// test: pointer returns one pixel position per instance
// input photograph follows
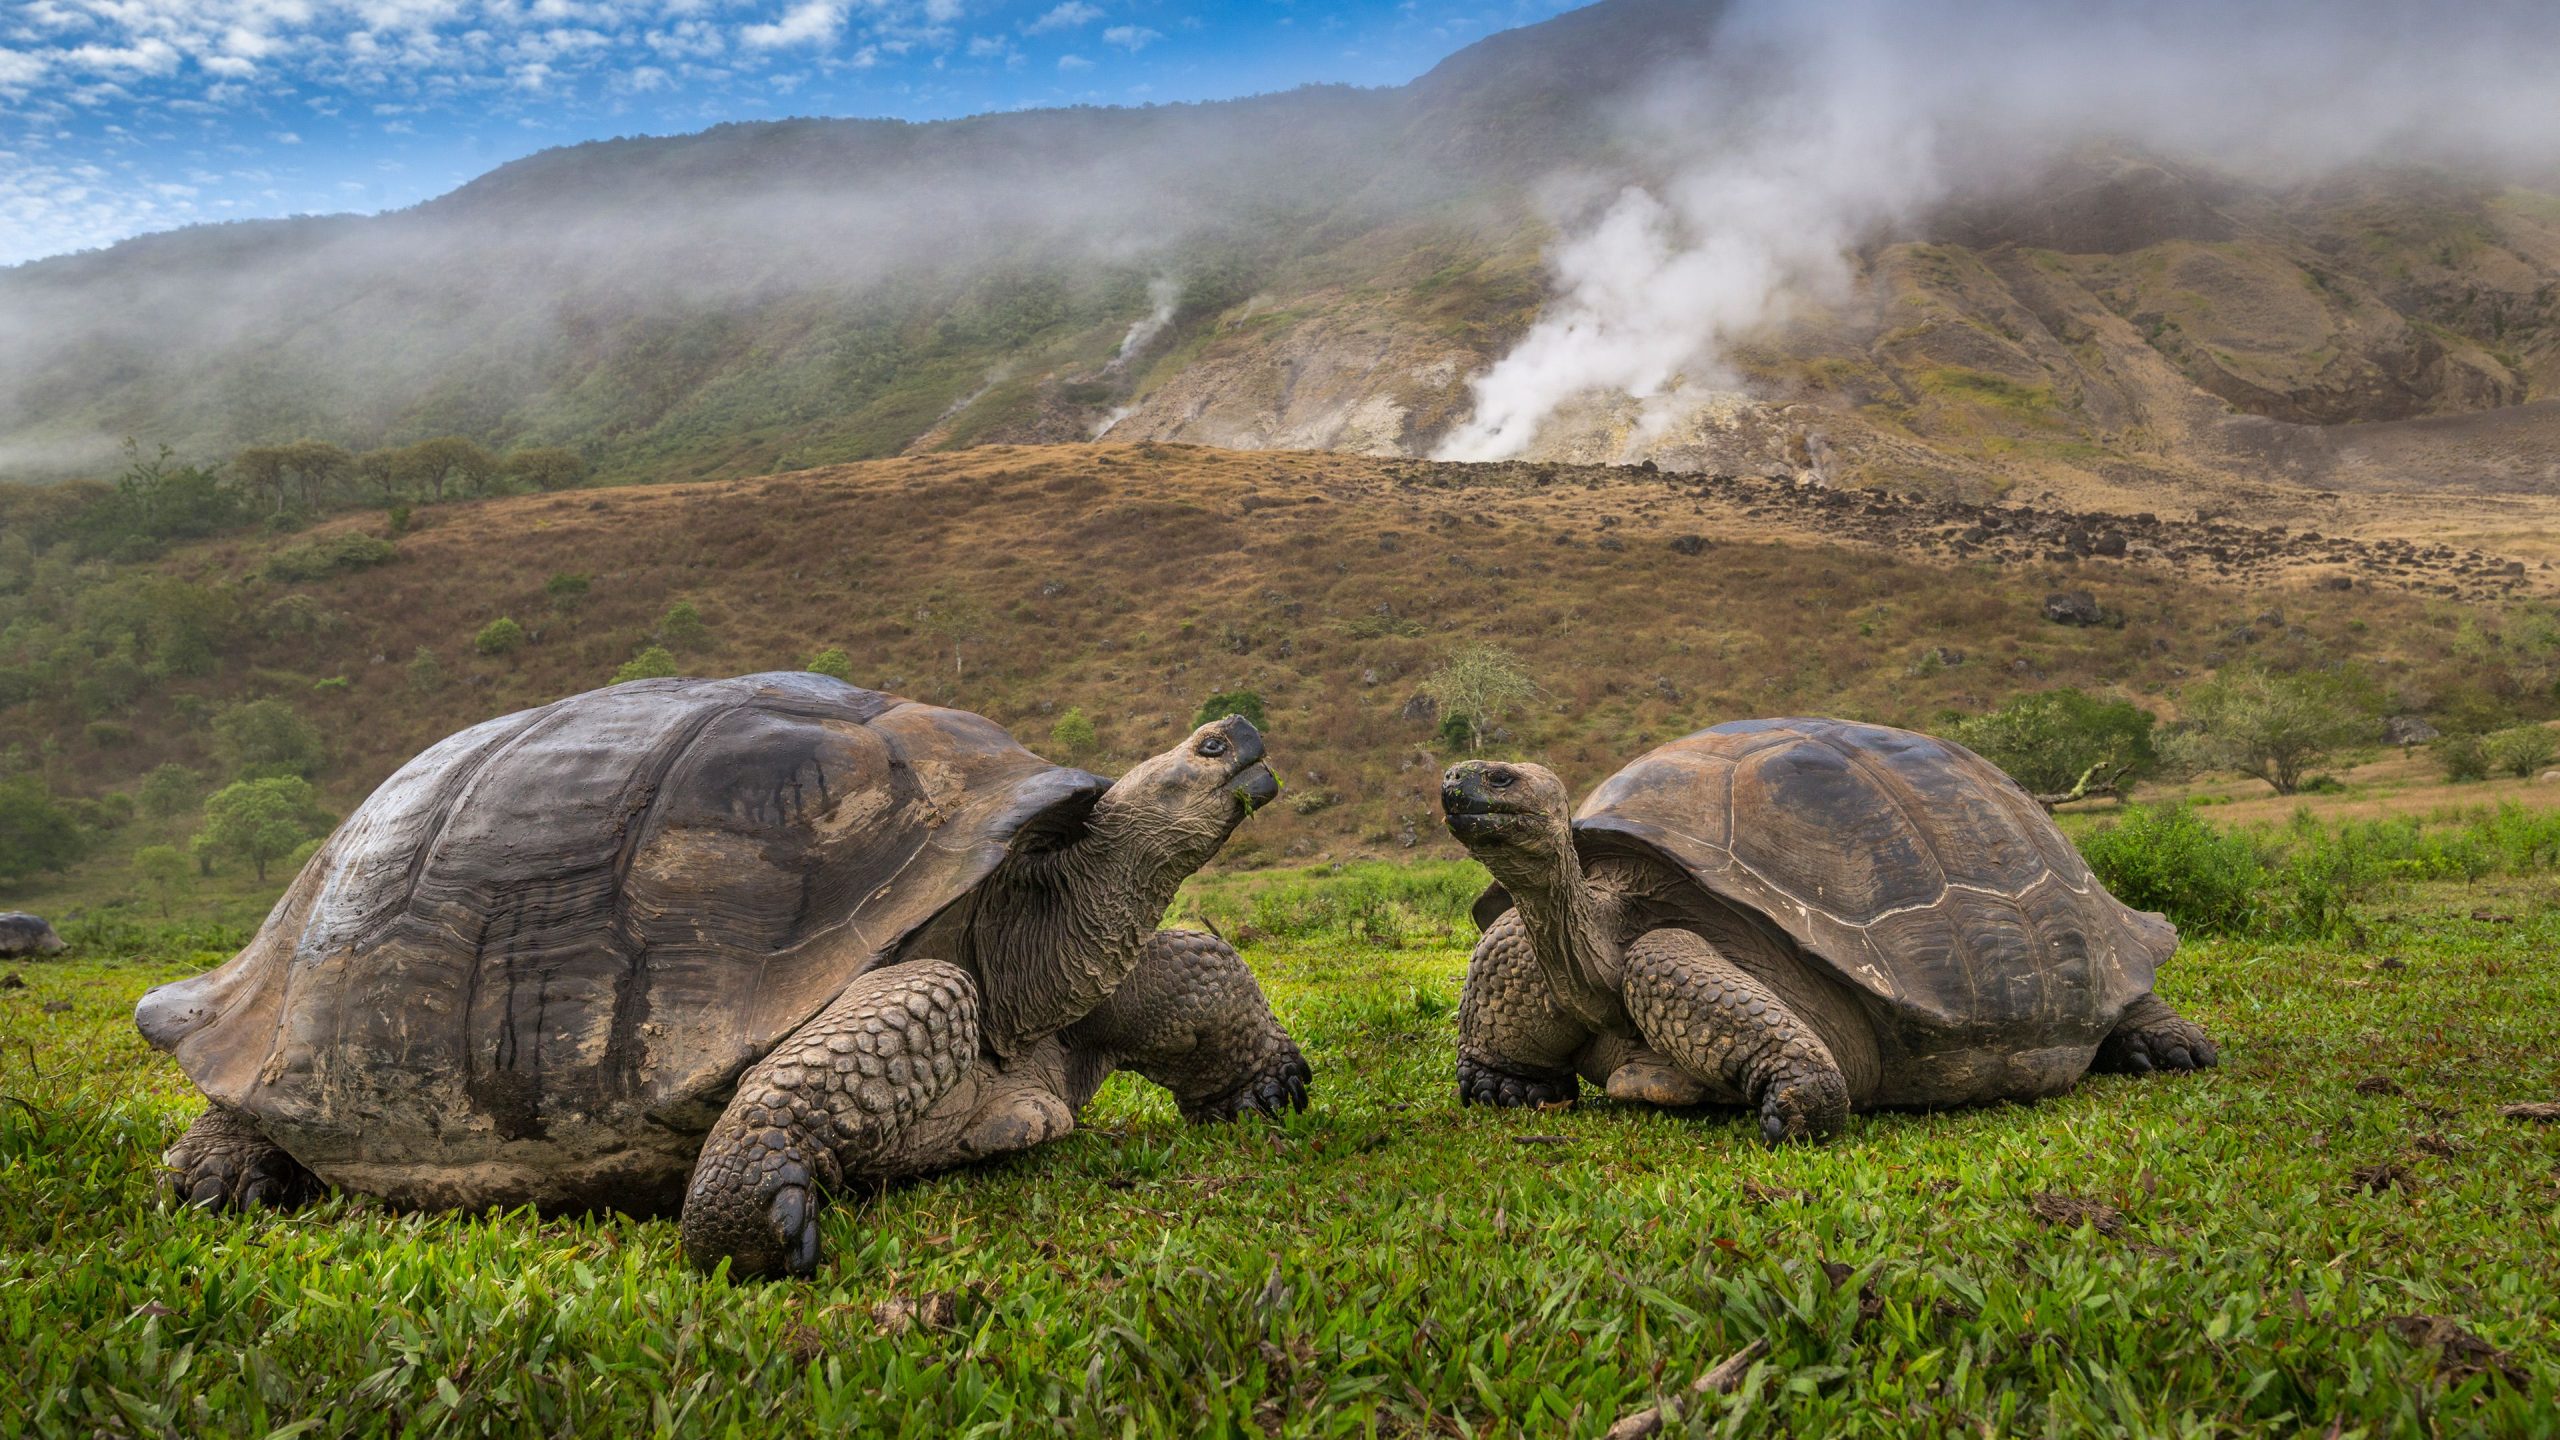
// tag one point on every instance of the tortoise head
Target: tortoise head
(1198, 792)
(1503, 807)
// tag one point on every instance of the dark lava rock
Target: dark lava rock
(2073, 607)
(2407, 730)
(1689, 544)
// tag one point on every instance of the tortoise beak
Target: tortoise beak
(1468, 804)
(1257, 787)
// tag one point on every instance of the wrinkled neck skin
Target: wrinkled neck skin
(1572, 925)
(1058, 931)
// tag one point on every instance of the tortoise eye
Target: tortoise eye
(1214, 745)
(1502, 779)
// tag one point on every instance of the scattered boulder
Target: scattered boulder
(1689, 544)
(25, 934)
(2407, 730)
(1421, 710)
(2073, 607)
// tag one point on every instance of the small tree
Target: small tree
(162, 869)
(1483, 683)
(956, 618)
(36, 831)
(426, 671)
(502, 636)
(2063, 745)
(2462, 756)
(168, 790)
(2275, 727)
(653, 663)
(833, 663)
(265, 738)
(567, 588)
(2521, 752)
(1231, 702)
(260, 821)
(1073, 735)
(547, 467)
(681, 628)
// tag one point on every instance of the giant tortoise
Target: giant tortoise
(1801, 916)
(723, 946)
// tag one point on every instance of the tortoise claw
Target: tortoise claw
(1480, 1084)
(795, 1224)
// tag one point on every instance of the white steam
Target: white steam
(1164, 294)
(1819, 125)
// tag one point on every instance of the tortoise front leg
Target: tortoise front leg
(225, 1162)
(834, 1097)
(1516, 1041)
(1191, 1018)
(1714, 1020)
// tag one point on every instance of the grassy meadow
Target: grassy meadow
(2335, 1233)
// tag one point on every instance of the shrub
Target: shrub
(265, 738)
(2049, 742)
(323, 558)
(1231, 702)
(831, 662)
(567, 588)
(2522, 752)
(2165, 859)
(426, 671)
(547, 467)
(682, 627)
(108, 735)
(37, 832)
(335, 684)
(2463, 757)
(169, 790)
(501, 636)
(1074, 733)
(1457, 732)
(398, 518)
(653, 663)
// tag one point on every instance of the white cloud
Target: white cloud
(1132, 38)
(813, 22)
(1065, 17)
(1073, 63)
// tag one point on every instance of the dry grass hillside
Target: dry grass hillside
(1135, 581)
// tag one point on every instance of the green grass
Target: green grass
(1390, 1264)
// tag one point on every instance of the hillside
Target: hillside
(1133, 582)
(1324, 269)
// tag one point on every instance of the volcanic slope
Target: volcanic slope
(1135, 582)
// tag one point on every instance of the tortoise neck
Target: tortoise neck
(1573, 930)
(1058, 931)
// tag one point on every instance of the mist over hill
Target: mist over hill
(2128, 250)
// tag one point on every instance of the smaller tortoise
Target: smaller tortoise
(1801, 916)
(725, 946)
(25, 934)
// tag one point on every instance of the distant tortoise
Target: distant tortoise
(25, 934)
(1803, 916)
(801, 931)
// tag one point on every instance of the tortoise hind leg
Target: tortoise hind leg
(1718, 1023)
(837, 1095)
(225, 1162)
(2151, 1036)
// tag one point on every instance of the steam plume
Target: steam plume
(1819, 125)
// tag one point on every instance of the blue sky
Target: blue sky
(119, 117)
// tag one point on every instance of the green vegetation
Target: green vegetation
(1073, 736)
(502, 636)
(324, 558)
(260, 821)
(681, 628)
(1479, 684)
(2335, 1230)
(1232, 702)
(2275, 726)
(831, 662)
(2056, 742)
(262, 738)
(2462, 756)
(2522, 752)
(652, 663)
(37, 832)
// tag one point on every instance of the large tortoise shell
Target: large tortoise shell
(599, 912)
(1910, 867)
